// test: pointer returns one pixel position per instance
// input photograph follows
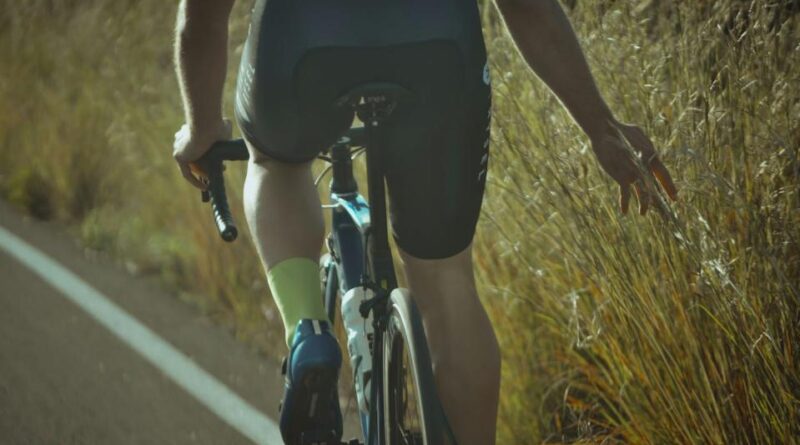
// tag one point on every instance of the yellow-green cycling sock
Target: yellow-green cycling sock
(296, 289)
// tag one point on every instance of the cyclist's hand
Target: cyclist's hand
(190, 145)
(615, 159)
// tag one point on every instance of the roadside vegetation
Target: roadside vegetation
(676, 329)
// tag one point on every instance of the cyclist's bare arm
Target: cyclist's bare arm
(201, 56)
(546, 40)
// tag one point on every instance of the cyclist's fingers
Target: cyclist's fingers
(662, 174)
(643, 196)
(197, 170)
(186, 171)
(624, 198)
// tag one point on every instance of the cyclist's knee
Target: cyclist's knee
(445, 292)
(452, 274)
(265, 162)
(269, 165)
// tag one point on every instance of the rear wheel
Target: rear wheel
(411, 409)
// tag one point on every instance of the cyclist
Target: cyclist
(298, 57)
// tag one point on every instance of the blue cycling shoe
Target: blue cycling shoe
(310, 410)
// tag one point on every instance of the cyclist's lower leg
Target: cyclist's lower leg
(285, 219)
(462, 342)
(283, 211)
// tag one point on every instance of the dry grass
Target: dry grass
(614, 329)
(647, 330)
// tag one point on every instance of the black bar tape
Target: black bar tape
(211, 164)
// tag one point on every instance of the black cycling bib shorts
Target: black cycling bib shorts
(301, 55)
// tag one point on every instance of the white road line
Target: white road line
(177, 366)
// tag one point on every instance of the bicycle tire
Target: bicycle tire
(405, 351)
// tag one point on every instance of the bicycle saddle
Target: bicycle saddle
(374, 92)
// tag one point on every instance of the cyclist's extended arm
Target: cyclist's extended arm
(546, 40)
(201, 56)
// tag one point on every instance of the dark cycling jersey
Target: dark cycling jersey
(300, 56)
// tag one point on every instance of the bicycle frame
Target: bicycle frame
(356, 224)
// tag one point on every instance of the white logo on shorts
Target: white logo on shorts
(486, 77)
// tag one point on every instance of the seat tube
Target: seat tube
(343, 181)
(347, 238)
(380, 254)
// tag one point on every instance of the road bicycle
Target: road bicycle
(402, 407)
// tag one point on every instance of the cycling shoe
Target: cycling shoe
(310, 406)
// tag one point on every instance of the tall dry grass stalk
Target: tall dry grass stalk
(613, 329)
(651, 330)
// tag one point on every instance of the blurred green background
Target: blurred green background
(613, 329)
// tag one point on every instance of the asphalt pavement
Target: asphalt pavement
(65, 378)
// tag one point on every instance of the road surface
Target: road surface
(66, 376)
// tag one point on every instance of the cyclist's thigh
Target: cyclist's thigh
(286, 118)
(437, 162)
